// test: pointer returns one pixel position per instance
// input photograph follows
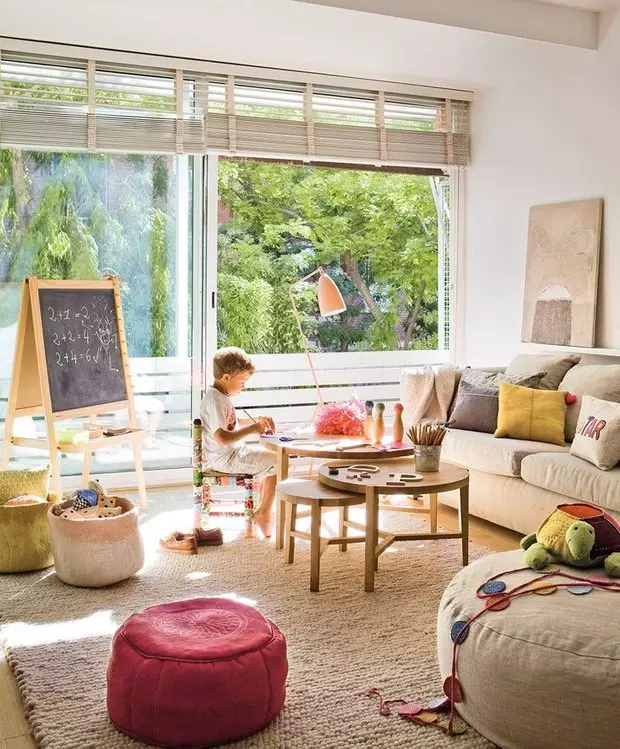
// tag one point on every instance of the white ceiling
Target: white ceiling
(568, 22)
(585, 4)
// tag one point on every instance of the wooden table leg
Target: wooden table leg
(281, 474)
(290, 511)
(315, 545)
(464, 522)
(433, 504)
(372, 526)
(86, 468)
(344, 530)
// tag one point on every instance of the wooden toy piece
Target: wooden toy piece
(368, 423)
(362, 468)
(398, 429)
(379, 424)
(406, 476)
(110, 512)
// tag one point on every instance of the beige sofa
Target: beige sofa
(517, 483)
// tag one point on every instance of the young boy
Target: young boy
(223, 439)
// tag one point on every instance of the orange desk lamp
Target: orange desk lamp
(330, 303)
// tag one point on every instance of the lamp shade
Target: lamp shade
(330, 298)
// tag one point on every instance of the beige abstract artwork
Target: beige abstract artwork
(561, 275)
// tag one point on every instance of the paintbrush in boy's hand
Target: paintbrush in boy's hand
(270, 433)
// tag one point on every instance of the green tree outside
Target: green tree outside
(375, 232)
(80, 216)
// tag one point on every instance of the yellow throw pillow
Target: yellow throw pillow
(528, 414)
(17, 482)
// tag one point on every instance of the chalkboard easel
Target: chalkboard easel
(71, 361)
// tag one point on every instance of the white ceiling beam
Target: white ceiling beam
(528, 19)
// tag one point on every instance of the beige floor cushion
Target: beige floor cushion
(573, 477)
(484, 452)
(541, 674)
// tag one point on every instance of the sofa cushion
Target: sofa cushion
(483, 378)
(484, 452)
(600, 380)
(598, 433)
(476, 408)
(529, 414)
(555, 367)
(573, 477)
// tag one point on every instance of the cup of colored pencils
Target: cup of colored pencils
(427, 437)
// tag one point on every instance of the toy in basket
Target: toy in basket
(93, 502)
(205, 479)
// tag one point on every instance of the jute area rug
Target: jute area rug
(341, 640)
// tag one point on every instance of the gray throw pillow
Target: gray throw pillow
(476, 408)
(481, 378)
(555, 366)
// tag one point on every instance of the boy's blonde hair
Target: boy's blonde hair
(231, 361)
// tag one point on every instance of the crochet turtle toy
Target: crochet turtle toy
(580, 535)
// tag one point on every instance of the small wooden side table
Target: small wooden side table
(448, 477)
(324, 447)
(309, 492)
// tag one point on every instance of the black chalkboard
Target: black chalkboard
(82, 348)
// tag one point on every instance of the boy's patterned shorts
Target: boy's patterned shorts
(254, 460)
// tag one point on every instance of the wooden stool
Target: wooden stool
(311, 493)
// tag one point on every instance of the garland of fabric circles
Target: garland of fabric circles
(496, 597)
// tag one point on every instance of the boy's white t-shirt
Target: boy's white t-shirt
(217, 412)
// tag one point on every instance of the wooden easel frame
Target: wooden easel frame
(30, 391)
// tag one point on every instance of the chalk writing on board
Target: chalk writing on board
(96, 329)
(82, 346)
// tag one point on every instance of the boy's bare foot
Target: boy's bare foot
(264, 524)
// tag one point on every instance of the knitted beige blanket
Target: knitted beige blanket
(426, 393)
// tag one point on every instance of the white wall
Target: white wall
(544, 120)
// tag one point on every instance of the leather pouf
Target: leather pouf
(99, 551)
(541, 673)
(196, 673)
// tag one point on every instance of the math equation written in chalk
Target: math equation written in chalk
(85, 335)
(83, 348)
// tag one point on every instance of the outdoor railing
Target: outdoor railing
(282, 388)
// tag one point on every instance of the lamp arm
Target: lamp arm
(317, 271)
(303, 336)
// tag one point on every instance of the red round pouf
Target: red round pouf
(196, 673)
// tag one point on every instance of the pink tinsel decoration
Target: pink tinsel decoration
(346, 417)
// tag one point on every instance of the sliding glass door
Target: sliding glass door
(382, 236)
(82, 216)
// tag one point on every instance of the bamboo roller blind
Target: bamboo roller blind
(66, 103)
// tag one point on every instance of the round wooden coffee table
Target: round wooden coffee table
(325, 447)
(383, 481)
